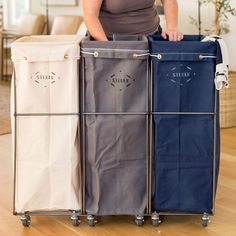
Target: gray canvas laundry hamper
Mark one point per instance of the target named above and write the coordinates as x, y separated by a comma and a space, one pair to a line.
115, 126
45, 118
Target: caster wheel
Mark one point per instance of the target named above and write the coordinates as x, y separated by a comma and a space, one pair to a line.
75, 221
25, 220
205, 223
156, 223
139, 220
91, 221
156, 219
205, 220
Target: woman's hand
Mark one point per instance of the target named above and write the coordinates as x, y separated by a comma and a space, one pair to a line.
171, 14
172, 35
91, 10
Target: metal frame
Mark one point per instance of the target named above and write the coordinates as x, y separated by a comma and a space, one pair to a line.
82, 136
69, 212
214, 151
150, 172
152, 156
84, 114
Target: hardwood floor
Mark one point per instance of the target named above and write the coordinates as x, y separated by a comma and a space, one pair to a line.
222, 224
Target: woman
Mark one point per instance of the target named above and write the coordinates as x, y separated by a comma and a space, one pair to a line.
103, 17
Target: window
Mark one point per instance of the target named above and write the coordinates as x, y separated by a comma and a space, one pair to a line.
13, 9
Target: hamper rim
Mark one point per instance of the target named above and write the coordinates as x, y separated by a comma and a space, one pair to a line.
62, 39
155, 38
144, 39
114, 49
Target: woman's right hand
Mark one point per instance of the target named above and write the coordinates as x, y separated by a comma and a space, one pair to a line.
91, 9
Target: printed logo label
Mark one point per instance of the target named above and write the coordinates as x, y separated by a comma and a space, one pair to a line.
181, 74
45, 79
120, 80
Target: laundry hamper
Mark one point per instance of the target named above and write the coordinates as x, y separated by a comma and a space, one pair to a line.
228, 104
115, 130
186, 134
45, 117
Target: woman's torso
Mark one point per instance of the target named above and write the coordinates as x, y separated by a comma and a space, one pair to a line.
129, 17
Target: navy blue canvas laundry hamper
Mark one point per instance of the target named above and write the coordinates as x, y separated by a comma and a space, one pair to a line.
185, 124
115, 126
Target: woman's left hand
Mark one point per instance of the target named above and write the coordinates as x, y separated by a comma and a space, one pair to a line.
172, 34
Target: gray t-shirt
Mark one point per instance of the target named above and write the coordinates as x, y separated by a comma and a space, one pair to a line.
129, 17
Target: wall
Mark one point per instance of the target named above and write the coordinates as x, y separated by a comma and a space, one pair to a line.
36, 7
189, 7
231, 38
186, 8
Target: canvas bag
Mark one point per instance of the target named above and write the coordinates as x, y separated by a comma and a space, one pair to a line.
45, 93
115, 81
184, 144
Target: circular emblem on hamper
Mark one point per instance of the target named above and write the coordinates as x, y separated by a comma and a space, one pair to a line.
120, 80
45, 79
181, 74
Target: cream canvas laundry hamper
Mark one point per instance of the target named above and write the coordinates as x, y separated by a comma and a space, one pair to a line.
45, 118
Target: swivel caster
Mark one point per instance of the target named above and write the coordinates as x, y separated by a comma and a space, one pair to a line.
91, 220
75, 221
25, 220
205, 220
156, 219
139, 220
